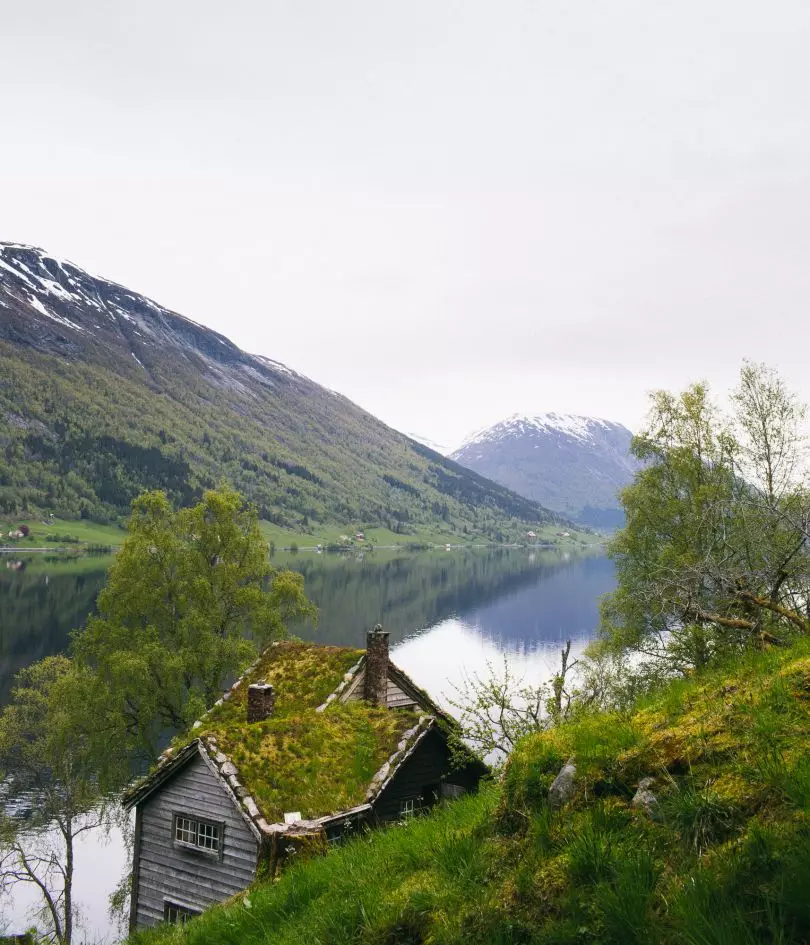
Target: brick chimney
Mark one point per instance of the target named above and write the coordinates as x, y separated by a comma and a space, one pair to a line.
261, 701
375, 689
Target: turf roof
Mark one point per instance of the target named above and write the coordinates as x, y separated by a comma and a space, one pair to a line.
300, 759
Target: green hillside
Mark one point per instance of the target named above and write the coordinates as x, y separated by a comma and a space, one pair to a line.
104, 394
724, 859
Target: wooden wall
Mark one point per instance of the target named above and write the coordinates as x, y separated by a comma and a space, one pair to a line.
426, 768
396, 698
189, 877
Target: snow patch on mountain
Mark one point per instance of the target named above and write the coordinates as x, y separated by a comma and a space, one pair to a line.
571, 425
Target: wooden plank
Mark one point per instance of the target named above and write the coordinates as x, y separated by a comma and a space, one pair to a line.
136, 859
194, 885
163, 841
160, 853
194, 806
166, 871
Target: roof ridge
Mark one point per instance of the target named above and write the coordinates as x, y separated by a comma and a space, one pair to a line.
348, 677
405, 748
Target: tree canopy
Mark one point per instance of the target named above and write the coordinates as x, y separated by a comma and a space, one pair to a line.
715, 553
190, 596
54, 763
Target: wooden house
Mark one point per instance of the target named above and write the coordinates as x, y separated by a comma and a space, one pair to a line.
310, 745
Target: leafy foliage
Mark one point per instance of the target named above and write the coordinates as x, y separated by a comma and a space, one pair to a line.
54, 766
188, 598
715, 555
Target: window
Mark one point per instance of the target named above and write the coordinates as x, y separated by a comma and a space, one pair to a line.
200, 834
409, 807
174, 913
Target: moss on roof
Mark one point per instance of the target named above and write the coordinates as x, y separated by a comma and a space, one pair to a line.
300, 759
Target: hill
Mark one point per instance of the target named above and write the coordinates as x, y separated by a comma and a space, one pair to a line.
572, 464
713, 852
104, 393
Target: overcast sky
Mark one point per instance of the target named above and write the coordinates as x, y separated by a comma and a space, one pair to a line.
449, 212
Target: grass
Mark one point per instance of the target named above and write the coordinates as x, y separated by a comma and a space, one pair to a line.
422, 535
79, 534
301, 759
727, 862
70, 534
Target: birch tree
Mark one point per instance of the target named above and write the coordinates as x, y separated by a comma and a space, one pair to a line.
715, 552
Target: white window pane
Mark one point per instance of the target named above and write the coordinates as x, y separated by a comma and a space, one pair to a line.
185, 830
208, 837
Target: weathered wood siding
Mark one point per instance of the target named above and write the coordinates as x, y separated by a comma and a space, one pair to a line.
396, 698
189, 877
424, 771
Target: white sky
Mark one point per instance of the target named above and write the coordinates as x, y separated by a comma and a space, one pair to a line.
449, 212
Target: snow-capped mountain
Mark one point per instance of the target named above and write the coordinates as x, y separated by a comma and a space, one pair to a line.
54, 306
569, 463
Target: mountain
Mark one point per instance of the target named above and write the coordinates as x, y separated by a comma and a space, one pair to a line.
572, 464
104, 393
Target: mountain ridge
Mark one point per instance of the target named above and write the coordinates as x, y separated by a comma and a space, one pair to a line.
105, 392
571, 463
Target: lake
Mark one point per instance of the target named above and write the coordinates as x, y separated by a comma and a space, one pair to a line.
449, 614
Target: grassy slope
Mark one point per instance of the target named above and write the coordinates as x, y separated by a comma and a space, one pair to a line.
83, 437
43, 531
729, 862
111, 536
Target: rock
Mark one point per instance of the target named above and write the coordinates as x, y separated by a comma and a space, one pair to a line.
646, 800
563, 786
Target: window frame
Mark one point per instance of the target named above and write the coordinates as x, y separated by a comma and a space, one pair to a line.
410, 807
182, 913
196, 846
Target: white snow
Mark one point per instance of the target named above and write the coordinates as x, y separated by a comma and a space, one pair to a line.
16, 273
573, 426
35, 303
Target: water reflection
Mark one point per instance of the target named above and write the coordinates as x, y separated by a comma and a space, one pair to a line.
40, 604
448, 614
528, 624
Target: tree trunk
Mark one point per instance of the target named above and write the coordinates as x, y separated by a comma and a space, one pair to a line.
67, 925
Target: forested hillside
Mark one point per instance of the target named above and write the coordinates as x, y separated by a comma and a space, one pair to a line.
104, 393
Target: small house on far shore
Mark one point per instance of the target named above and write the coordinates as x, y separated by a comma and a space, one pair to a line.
312, 744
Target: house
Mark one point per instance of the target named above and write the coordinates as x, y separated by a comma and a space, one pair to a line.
531, 534
310, 745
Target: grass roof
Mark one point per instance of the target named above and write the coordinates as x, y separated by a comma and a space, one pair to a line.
317, 763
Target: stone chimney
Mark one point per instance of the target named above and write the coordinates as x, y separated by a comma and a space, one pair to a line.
261, 701
375, 689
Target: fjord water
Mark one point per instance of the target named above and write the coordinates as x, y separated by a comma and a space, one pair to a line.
449, 614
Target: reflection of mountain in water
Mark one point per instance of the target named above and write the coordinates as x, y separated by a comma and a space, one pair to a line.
540, 593
510, 594
561, 602
39, 606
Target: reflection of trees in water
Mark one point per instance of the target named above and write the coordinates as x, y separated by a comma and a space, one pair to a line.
409, 592
510, 594
38, 609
